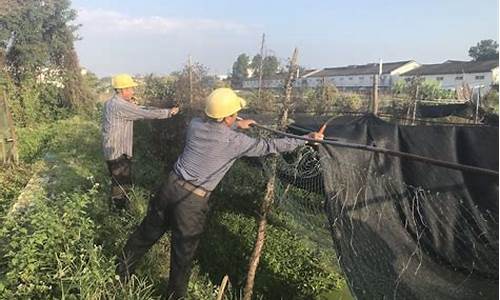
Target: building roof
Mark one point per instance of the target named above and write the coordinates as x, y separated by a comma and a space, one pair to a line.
368, 69
281, 75
454, 67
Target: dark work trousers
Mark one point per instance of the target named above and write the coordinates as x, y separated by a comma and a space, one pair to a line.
185, 214
121, 180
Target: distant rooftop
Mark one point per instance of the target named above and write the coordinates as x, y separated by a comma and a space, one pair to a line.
368, 69
454, 67
281, 75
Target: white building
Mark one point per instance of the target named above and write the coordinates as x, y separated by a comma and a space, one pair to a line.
452, 74
359, 77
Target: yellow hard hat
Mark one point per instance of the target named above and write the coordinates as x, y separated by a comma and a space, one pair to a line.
123, 81
223, 102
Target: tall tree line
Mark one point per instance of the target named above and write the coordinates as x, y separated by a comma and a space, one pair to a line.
38, 54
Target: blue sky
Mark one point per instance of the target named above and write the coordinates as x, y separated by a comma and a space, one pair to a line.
157, 36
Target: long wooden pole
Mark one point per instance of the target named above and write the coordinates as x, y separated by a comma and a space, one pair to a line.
414, 107
269, 195
261, 65
476, 119
405, 155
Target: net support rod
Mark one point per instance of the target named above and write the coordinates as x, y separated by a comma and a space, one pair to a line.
428, 160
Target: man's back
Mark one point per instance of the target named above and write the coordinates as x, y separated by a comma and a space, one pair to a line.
212, 148
118, 125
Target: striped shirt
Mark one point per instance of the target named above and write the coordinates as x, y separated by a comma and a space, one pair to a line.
212, 148
118, 125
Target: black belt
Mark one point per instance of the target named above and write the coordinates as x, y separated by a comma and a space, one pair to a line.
197, 190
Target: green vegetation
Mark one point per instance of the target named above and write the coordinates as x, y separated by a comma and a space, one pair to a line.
491, 102
240, 70
64, 244
243, 67
484, 50
40, 70
422, 89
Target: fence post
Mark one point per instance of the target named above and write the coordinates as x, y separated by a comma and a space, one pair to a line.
375, 95
414, 108
8, 144
476, 119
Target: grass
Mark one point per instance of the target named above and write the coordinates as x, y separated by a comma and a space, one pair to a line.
64, 246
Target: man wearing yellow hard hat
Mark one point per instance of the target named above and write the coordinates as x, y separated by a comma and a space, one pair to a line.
117, 133
212, 146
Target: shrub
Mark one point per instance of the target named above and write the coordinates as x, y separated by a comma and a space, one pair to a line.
491, 101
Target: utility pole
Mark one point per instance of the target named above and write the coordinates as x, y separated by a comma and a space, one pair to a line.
261, 65
269, 194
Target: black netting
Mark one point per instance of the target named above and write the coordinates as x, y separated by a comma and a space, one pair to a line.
401, 229
444, 110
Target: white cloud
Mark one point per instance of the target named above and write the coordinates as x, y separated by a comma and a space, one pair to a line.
113, 22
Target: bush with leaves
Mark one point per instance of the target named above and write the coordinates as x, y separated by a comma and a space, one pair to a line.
423, 89
491, 101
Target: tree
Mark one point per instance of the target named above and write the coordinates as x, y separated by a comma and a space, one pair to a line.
197, 90
38, 35
158, 91
270, 66
484, 50
255, 64
240, 70
325, 98
399, 87
40, 41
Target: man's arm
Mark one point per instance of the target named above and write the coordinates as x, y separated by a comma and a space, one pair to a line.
248, 146
131, 111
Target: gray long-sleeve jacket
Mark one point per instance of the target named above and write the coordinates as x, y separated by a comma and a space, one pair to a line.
118, 125
212, 148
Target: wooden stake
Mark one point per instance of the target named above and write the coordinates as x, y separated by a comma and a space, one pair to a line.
414, 107
269, 195
222, 287
12, 154
476, 119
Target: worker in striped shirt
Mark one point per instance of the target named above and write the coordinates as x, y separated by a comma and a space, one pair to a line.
117, 135
212, 146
